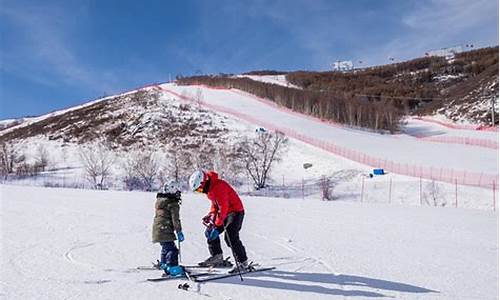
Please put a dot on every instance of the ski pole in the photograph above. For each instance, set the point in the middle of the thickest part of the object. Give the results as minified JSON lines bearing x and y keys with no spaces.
{"x":234,"y":256}
{"x":179,"y":245}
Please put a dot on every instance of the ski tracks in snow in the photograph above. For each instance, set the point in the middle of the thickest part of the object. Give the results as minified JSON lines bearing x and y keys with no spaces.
{"x":68,"y":255}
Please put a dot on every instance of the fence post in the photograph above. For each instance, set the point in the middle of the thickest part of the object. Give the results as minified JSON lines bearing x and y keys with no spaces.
{"x":456,"y":193}
{"x":362,"y":187}
{"x":390,"y":189}
{"x":303,"y":195}
{"x":420,"y":191}
{"x":494,"y":198}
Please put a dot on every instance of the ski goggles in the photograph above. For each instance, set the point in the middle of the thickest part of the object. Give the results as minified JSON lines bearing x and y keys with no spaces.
{"x":200,"y":189}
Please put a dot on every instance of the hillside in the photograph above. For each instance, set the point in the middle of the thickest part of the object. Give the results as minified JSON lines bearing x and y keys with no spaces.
{"x":378,"y":97}
{"x":460,"y":88}
{"x":139,"y":118}
{"x":176,"y":127}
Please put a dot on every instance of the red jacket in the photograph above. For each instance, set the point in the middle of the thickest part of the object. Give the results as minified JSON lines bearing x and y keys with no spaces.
{"x":223,"y":198}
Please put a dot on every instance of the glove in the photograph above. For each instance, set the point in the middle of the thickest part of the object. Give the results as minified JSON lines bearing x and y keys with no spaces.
{"x":213,"y":233}
{"x":208,"y":219}
{"x":180,"y":236}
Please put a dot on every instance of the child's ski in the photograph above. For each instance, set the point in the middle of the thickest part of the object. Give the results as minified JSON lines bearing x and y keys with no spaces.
{"x":223,"y":265}
{"x":190,"y":276}
{"x":147,"y":268}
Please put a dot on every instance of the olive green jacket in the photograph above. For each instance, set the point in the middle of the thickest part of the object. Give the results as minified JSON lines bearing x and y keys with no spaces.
{"x":166,"y":221}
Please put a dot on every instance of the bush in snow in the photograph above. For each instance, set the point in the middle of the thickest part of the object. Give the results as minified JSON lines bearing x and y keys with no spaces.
{"x":325,"y":187}
{"x":433,"y":195}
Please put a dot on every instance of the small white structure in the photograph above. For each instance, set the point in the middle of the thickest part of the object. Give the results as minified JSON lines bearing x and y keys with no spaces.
{"x":448,"y":53}
{"x":343,"y":65}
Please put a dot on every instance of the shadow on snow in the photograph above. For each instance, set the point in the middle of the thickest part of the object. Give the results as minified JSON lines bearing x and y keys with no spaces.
{"x":314,"y":283}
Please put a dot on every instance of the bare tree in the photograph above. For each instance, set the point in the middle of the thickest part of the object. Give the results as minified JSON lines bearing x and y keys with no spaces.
{"x":229,"y":164}
{"x":326,"y":188}
{"x":142,"y":169}
{"x":179,"y":162}
{"x":260,"y":153}
{"x":9,"y":158}
{"x":97,"y":161}
{"x":198,"y":98}
{"x":147,"y":167}
{"x":203,"y":158}
{"x":41,"y":158}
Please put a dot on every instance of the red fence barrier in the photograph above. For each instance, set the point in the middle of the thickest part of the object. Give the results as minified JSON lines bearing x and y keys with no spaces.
{"x":463,"y":140}
{"x":459,"y":126}
{"x":451,"y":140}
{"x":461,"y":177}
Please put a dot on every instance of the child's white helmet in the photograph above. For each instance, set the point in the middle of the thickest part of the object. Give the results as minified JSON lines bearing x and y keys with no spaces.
{"x":171,"y":187}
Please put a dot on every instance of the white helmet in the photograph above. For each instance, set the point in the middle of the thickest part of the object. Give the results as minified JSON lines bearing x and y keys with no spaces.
{"x":196,"y":180}
{"x":171,"y":187}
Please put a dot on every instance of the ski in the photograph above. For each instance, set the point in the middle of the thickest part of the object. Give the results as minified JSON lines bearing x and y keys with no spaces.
{"x":188,"y":276}
{"x":211,"y":277}
{"x":146,"y":268}
{"x":226,"y":263}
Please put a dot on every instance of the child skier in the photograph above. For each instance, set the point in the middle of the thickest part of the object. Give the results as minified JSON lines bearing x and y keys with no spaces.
{"x":166,"y":221}
{"x":226,"y":214}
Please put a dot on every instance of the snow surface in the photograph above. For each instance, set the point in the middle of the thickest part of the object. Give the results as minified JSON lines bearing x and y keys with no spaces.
{"x":400,"y":149}
{"x":273,"y":79}
{"x":82,"y":244}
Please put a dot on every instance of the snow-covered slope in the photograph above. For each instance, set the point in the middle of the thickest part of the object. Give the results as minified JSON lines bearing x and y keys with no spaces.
{"x":164,"y":116}
{"x":81,"y":244}
{"x":401,"y":149}
{"x":273,"y":79}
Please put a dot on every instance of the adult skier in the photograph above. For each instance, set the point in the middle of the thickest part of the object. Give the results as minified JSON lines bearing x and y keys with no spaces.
{"x":226,"y":215}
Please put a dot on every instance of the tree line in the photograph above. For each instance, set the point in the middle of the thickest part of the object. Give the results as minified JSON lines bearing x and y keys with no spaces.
{"x":326,"y":105}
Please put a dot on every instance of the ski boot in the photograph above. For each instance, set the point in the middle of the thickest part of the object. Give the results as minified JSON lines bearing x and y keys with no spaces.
{"x":240,"y":267}
{"x":216,"y":261}
{"x":173,"y":271}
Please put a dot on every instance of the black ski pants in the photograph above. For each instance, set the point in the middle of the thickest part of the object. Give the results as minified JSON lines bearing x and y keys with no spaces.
{"x":232,"y":227}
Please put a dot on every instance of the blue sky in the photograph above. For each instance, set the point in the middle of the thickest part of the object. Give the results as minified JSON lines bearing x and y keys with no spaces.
{"x":56,"y":54}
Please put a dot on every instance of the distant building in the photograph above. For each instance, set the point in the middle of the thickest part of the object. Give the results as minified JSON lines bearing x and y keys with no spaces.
{"x":343,"y":65}
{"x":448,"y":53}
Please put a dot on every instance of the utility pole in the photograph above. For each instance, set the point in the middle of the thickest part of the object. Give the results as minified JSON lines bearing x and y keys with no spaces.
{"x":492,"y":111}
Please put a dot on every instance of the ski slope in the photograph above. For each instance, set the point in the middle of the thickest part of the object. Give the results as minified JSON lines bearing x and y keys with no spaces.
{"x":402,"y":149}
{"x":273,"y":79}
{"x":82,"y":244}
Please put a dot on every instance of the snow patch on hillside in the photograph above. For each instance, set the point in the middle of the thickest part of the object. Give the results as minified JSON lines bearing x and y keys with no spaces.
{"x":272,"y":79}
